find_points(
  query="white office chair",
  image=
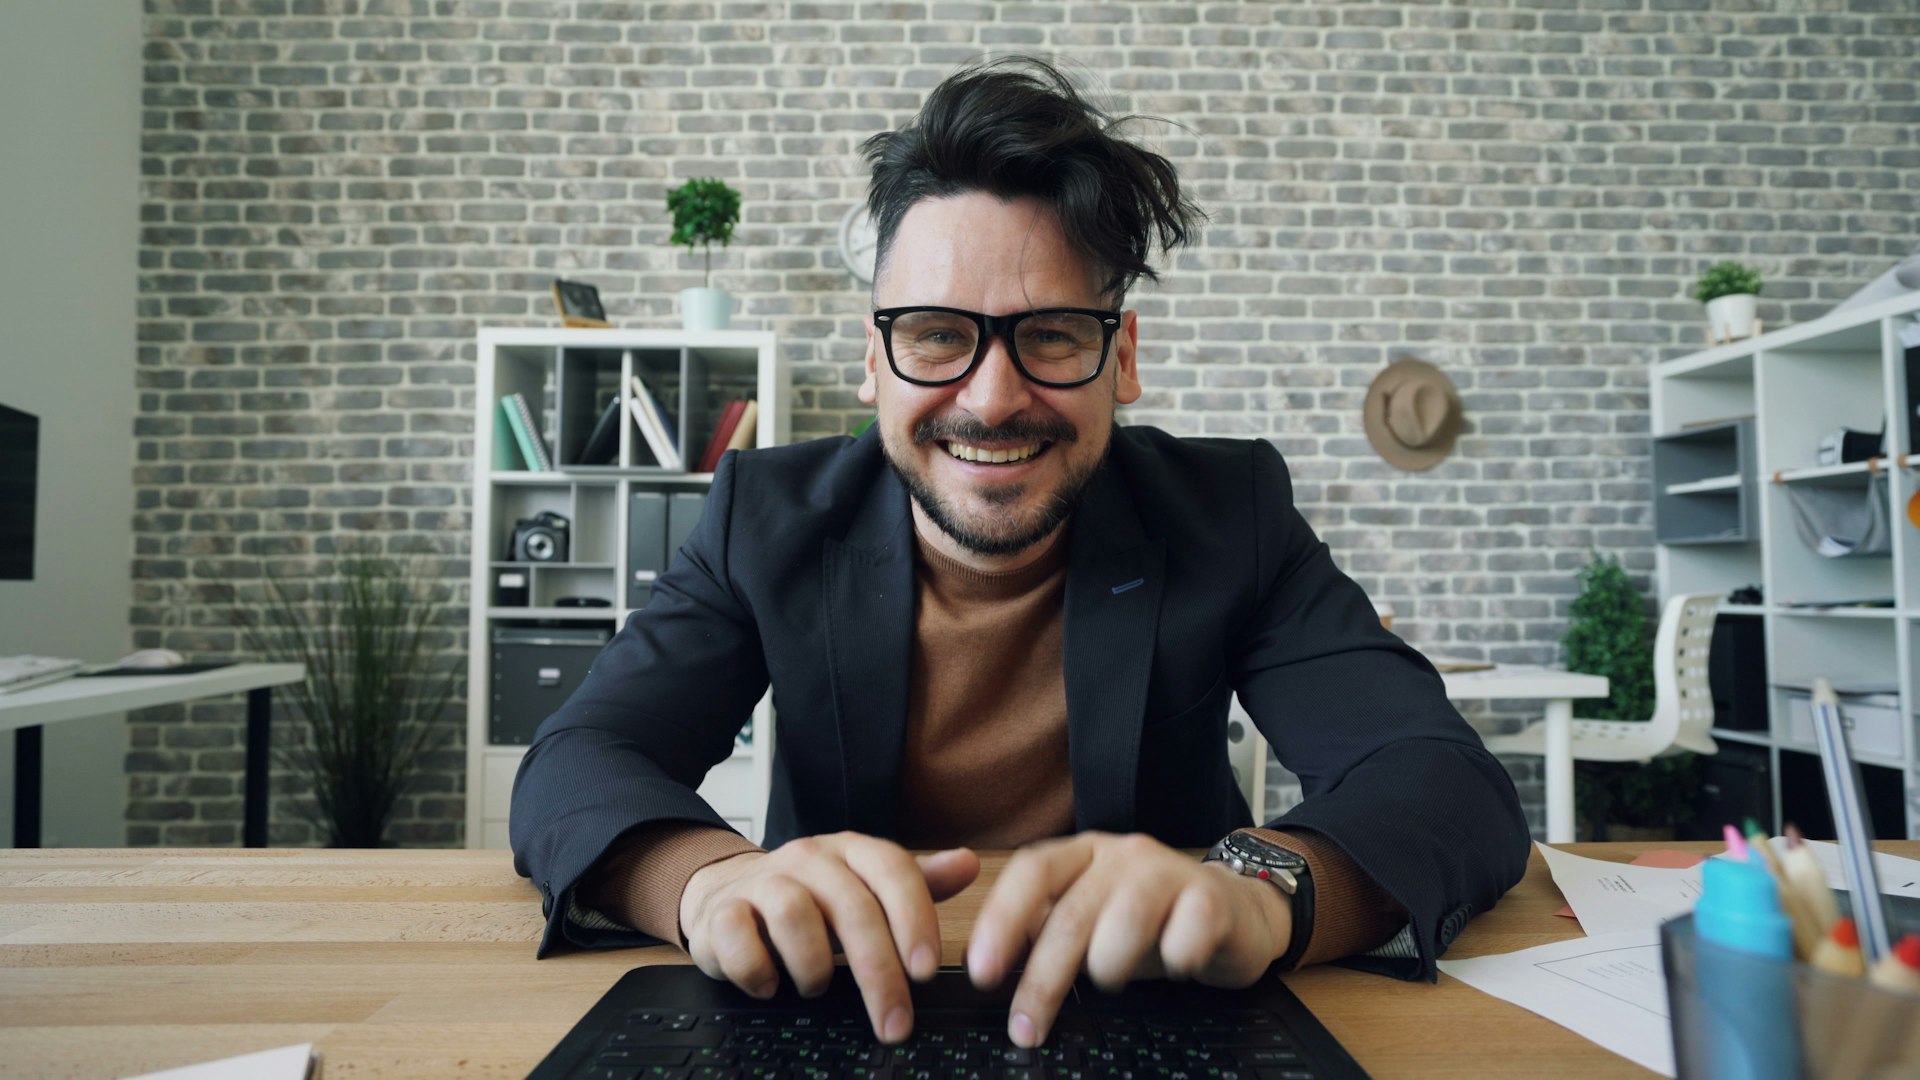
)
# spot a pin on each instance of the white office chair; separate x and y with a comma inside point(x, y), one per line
point(1247, 753)
point(1682, 704)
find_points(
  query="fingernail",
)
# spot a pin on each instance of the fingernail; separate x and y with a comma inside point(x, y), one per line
point(898, 1026)
point(1022, 1031)
point(924, 962)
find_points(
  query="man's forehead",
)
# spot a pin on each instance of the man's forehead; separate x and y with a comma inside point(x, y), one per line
point(977, 248)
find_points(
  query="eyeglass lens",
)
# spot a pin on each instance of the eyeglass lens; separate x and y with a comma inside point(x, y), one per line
point(1054, 346)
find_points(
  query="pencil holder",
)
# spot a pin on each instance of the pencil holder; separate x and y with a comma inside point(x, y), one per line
point(1737, 1016)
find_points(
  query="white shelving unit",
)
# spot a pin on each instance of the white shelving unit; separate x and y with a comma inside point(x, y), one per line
point(1797, 385)
point(567, 376)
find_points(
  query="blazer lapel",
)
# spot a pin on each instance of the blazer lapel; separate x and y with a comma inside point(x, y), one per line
point(1114, 579)
point(867, 583)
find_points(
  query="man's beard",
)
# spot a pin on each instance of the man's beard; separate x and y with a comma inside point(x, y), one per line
point(977, 537)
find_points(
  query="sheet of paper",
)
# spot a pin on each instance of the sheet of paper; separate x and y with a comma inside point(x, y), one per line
point(1898, 876)
point(1608, 989)
point(1612, 898)
point(285, 1063)
point(1672, 860)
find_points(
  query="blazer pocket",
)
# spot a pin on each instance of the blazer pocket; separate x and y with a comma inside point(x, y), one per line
point(1198, 706)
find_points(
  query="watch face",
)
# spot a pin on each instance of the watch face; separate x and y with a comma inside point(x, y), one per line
point(1271, 854)
point(859, 242)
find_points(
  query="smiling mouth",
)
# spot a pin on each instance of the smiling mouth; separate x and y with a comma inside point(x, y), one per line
point(1011, 455)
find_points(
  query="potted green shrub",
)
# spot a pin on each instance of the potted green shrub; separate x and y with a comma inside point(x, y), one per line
point(376, 694)
point(1729, 289)
point(1608, 635)
point(705, 210)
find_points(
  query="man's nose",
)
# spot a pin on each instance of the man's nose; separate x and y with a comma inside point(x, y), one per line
point(996, 390)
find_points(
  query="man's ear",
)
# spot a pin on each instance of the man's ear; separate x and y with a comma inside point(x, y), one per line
point(1126, 344)
point(869, 391)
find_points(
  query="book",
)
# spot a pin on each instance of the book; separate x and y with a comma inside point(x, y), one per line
point(722, 432)
point(526, 433)
point(506, 449)
point(604, 443)
point(647, 415)
point(743, 434)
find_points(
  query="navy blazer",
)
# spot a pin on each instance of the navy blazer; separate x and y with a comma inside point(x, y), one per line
point(1191, 577)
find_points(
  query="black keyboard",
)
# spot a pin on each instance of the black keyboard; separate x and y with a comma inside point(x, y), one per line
point(673, 1023)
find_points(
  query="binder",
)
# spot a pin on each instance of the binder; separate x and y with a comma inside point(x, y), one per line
point(646, 544)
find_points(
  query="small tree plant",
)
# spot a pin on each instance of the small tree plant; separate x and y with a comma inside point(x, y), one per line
point(1727, 279)
point(705, 210)
point(1608, 635)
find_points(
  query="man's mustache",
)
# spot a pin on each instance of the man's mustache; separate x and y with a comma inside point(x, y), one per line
point(969, 429)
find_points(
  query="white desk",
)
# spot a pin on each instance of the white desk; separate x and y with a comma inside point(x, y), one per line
point(1557, 689)
point(26, 711)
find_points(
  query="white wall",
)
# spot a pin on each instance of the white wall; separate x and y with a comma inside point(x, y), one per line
point(69, 232)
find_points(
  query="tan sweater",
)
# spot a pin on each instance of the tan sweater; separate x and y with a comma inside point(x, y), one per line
point(985, 760)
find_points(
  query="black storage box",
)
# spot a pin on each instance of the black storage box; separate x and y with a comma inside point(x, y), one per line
point(535, 670)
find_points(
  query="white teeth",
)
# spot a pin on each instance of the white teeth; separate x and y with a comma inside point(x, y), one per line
point(992, 457)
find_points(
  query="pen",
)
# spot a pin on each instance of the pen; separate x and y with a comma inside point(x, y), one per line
point(1850, 820)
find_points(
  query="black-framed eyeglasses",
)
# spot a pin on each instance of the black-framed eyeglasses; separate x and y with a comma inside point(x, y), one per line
point(1060, 347)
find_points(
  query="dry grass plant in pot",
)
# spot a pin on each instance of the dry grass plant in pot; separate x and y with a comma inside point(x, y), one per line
point(377, 691)
point(1729, 290)
point(705, 210)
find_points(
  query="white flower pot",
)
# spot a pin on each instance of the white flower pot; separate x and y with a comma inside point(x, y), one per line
point(705, 309)
point(1730, 317)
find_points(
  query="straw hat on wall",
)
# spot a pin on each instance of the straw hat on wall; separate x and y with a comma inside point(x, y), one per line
point(1412, 415)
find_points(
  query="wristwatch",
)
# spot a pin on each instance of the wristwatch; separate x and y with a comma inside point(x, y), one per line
point(1249, 856)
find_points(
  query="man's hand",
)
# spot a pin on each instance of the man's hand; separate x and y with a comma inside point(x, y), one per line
point(744, 915)
point(1125, 907)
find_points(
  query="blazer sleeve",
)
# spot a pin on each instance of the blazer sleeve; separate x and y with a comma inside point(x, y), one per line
point(1391, 772)
point(659, 707)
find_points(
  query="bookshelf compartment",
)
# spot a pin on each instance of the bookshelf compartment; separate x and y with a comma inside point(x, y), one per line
point(1703, 485)
point(588, 385)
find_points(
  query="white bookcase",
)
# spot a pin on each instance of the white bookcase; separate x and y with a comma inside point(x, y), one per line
point(567, 376)
point(1737, 429)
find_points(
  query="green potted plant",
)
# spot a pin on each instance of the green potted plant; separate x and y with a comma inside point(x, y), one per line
point(1608, 635)
point(1729, 289)
point(376, 694)
point(705, 210)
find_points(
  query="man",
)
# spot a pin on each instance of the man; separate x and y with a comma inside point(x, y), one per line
point(998, 621)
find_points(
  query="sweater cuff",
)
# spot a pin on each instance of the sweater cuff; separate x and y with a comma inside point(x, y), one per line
point(1350, 912)
point(639, 880)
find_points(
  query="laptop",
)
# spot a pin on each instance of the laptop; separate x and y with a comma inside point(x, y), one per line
point(672, 1022)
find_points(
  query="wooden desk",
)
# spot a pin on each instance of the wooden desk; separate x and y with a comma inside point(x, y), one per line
point(420, 964)
point(26, 711)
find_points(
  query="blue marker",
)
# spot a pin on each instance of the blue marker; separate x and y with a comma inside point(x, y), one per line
point(1746, 982)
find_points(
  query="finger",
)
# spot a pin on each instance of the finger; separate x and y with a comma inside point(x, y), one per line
point(798, 932)
point(733, 940)
point(1018, 906)
point(896, 881)
point(949, 872)
point(1196, 929)
point(861, 926)
point(1126, 933)
point(1057, 956)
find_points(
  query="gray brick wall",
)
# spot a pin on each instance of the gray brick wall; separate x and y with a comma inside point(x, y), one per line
point(336, 194)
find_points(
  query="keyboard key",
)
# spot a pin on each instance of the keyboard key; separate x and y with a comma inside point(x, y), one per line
point(1275, 1057)
point(642, 1055)
point(1014, 1055)
point(1295, 1073)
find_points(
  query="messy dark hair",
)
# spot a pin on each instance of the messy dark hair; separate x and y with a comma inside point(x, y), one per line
point(1017, 127)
